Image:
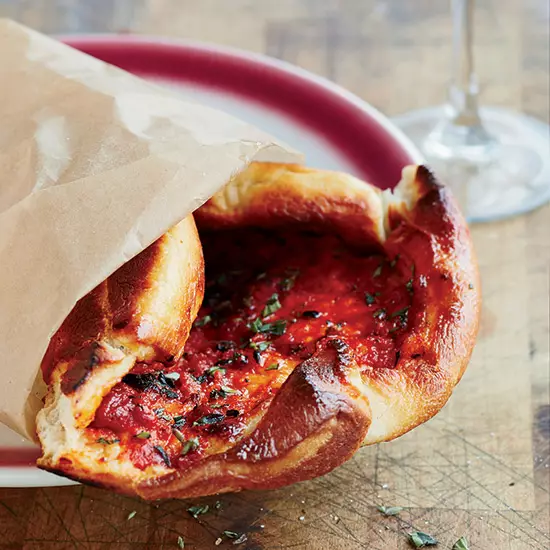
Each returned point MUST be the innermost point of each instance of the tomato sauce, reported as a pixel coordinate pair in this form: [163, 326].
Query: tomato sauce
[270, 297]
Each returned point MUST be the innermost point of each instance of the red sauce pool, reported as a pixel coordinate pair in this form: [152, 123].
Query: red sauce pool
[270, 297]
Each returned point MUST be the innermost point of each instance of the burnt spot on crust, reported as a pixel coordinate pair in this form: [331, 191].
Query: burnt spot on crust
[80, 370]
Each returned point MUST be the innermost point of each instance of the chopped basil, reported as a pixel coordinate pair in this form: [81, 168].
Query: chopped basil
[288, 282]
[257, 356]
[231, 534]
[420, 540]
[461, 544]
[143, 435]
[311, 314]
[218, 505]
[181, 543]
[369, 298]
[161, 414]
[259, 346]
[409, 286]
[389, 510]
[395, 260]
[379, 314]
[213, 418]
[272, 305]
[163, 455]
[172, 375]
[210, 371]
[179, 420]
[273, 366]
[277, 328]
[241, 539]
[198, 510]
[225, 345]
[223, 392]
[189, 445]
[402, 314]
[131, 515]
[178, 435]
[229, 391]
[378, 271]
[150, 381]
[104, 441]
[202, 322]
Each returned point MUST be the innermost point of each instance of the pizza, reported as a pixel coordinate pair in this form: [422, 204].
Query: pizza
[299, 315]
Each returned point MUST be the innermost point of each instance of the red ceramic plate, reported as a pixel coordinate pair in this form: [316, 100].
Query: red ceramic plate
[335, 129]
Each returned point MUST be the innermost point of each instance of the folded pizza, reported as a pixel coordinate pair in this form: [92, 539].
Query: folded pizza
[325, 315]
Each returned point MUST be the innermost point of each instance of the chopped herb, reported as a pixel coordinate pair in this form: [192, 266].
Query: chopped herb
[210, 371]
[273, 366]
[104, 441]
[257, 356]
[241, 539]
[178, 435]
[223, 392]
[389, 510]
[202, 322]
[272, 305]
[379, 314]
[163, 455]
[179, 420]
[378, 271]
[369, 298]
[259, 346]
[143, 435]
[198, 510]
[218, 505]
[240, 357]
[402, 314]
[225, 345]
[181, 542]
[232, 413]
[161, 414]
[131, 515]
[277, 328]
[218, 405]
[231, 534]
[409, 286]
[213, 418]
[224, 362]
[420, 540]
[190, 445]
[172, 375]
[149, 381]
[461, 544]
[311, 314]
[395, 260]
[288, 282]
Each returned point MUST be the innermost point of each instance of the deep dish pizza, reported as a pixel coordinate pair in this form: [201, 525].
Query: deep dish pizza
[330, 315]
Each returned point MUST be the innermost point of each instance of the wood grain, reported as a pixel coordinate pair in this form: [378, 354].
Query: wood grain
[481, 468]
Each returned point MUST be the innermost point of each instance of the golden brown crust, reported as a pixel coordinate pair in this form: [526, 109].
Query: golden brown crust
[328, 406]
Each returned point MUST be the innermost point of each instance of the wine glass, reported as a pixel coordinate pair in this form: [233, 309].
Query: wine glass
[496, 161]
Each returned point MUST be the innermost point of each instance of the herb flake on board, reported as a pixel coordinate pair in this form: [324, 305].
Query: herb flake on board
[181, 542]
[461, 544]
[369, 298]
[377, 272]
[143, 435]
[203, 321]
[131, 515]
[273, 366]
[277, 328]
[421, 540]
[389, 510]
[379, 314]
[198, 510]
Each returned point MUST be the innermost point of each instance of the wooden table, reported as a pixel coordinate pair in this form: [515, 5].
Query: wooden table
[481, 467]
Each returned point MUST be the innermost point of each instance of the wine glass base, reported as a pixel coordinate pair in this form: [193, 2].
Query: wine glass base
[507, 176]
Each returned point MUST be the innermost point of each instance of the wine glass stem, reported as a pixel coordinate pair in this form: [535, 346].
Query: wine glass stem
[463, 90]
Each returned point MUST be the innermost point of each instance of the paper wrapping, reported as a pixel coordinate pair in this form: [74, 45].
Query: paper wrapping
[95, 165]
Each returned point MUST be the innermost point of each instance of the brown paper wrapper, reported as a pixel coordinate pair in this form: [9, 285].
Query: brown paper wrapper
[95, 165]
